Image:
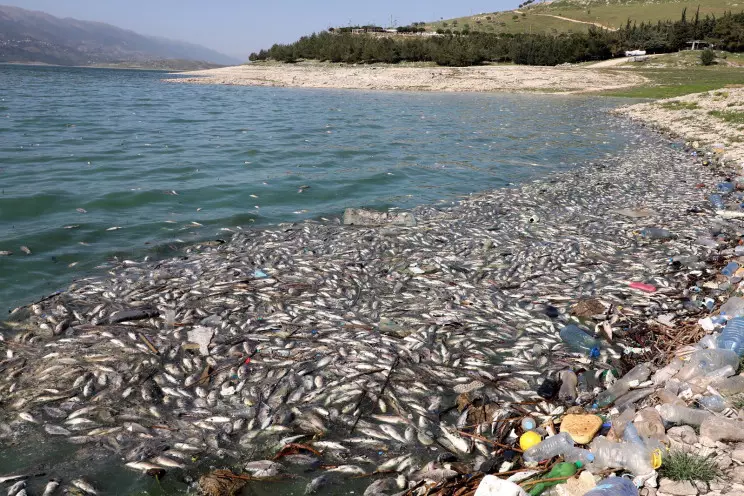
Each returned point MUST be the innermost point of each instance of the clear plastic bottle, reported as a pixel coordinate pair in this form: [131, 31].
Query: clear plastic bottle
[717, 202]
[734, 307]
[713, 403]
[730, 269]
[578, 455]
[634, 458]
[638, 373]
[656, 233]
[703, 362]
[649, 424]
[678, 414]
[569, 381]
[550, 447]
[614, 486]
[730, 386]
[580, 341]
[732, 336]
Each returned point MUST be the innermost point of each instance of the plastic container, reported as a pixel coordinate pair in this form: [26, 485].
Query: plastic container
[656, 233]
[564, 469]
[579, 455]
[550, 447]
[614, 486]
[717, 202]
[632, 457]
[678, 414]
[579, 341]
[567, 393]
[732, 336]
[730, 269]
[703, 362]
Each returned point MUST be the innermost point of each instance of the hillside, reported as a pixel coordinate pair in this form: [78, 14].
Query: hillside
[561, 16]
[31, 36]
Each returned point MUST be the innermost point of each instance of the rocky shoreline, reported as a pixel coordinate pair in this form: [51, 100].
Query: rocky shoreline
[375, 350]
[501, 78]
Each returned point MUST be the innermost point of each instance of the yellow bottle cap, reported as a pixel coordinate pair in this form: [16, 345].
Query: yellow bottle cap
[529, 439]
[656, 458]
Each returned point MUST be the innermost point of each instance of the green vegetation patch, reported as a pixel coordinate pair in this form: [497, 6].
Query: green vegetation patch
[671, 83]
[731, 116]
[681, 466]
[676, 105]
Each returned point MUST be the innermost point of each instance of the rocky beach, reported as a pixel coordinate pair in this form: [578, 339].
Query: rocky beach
[407, 351]
[504, 78]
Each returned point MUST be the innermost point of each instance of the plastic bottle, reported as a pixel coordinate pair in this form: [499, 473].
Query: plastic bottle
[730, 386]
[717, 202]
[713, 403]
[725, 187]
[614, 486]
[569, 381]
[550, 447]
[564, 469]
[709, 342]
[638, 373]
[580, 341]
[649, 424]
[734, 307]
[578, 455]
[732, 336]
[656, 233]
[633, 397]
[730, 269]
[703, 362]
[678, 414]
[627, 456]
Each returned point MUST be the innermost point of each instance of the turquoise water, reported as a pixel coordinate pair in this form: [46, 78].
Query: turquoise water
[153, 165]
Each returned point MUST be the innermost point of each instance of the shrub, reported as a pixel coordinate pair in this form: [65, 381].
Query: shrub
[707, 57]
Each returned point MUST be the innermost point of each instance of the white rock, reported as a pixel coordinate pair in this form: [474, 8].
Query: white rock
[677, 488]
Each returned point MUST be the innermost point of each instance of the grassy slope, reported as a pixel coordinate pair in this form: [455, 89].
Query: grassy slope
[535, 18]
[678, 74]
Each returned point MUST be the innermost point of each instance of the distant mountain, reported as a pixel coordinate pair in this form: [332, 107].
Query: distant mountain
[31, 36]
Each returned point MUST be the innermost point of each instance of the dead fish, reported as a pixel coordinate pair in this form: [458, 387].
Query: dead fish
[81, 210]
[316, 484]
[26, 250]
[83, 485]
[5, 253]
[50, 488]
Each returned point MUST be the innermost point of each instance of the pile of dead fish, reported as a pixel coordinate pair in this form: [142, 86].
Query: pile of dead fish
[354, 340]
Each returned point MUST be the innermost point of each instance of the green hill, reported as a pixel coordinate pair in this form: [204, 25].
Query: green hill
[561, 16]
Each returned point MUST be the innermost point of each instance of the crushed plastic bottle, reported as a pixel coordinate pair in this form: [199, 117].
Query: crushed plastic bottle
[550, 447]
[717, 202]
[638, 373]
[678, 414]
[580, 341]
[632, 457]
[649, 425]
[730, 386]
[734, 307]
[730, 269]
[732, 336]
[614, 486]
[714, 403]
[656, 233]
[725, 187]
[703, 362]
[567, 392]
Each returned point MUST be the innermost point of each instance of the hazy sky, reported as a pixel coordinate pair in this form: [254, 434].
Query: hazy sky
[238, 27]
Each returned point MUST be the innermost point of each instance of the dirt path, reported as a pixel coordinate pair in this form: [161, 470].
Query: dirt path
[615, 62]
[579, 22]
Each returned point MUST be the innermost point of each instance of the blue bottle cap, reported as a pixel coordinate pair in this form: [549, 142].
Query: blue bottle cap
[594, 353]
[590, 457]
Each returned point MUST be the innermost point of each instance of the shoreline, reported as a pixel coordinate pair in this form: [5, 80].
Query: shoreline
[468, 285]
[489, 78]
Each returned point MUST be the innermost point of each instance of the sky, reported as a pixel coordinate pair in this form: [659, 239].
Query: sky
[237, 28]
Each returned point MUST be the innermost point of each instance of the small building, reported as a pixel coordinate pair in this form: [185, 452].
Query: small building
[635, 53]
[699, 45]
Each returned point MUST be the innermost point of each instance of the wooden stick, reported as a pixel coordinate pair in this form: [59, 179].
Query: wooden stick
[494, 443]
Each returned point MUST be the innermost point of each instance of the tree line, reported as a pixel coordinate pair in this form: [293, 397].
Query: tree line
[473, 48]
